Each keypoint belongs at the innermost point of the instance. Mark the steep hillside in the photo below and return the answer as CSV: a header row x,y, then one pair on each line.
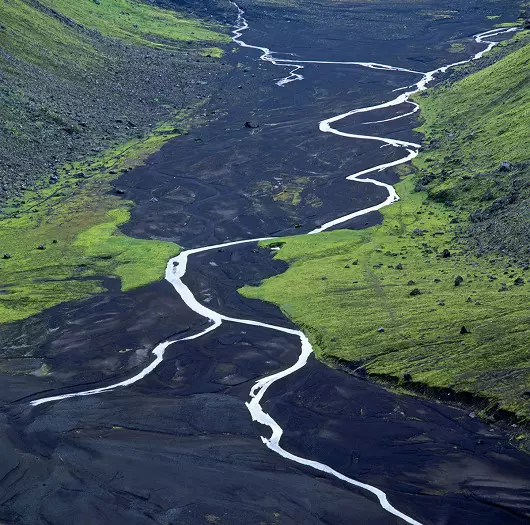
x,y
87,90
79,75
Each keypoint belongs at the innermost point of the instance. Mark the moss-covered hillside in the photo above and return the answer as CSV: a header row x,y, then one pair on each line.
x,y
437,296
88,89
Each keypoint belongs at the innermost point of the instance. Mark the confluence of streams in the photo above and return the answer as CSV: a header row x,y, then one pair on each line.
x,y
176,267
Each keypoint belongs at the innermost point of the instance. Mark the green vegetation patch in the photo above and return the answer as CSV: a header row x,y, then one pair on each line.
x,y
438,294
215,52
136,22
484,129
52,45
62,240
457,47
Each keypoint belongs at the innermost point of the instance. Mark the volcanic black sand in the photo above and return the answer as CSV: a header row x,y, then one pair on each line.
x,y
179,446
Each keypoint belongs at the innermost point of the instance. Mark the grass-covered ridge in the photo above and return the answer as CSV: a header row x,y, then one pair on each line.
x,y
135,21
28,34
454,314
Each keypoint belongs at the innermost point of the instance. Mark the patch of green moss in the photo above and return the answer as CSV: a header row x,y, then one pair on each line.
x,y
64,239
291,192
215,52
457,48
342,286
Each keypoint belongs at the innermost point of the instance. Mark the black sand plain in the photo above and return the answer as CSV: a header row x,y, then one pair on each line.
x,y
179,446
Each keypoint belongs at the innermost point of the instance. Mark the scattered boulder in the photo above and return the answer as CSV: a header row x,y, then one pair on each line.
x,y
464,331
41,247
526,24
119,191
488,196
356,262
415,291
7,256
324,278
399,266
251,124
503,288
519,281
504,166
380,329
446,253
411,282
459,280
407,377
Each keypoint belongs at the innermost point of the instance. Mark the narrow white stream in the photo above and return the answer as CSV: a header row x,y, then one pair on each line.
x,y
176,267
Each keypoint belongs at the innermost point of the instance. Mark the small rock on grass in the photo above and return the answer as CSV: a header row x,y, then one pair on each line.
x,y
458,280
464,331
504,166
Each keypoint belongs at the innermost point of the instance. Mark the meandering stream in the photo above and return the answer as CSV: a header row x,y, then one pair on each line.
x,y
176,267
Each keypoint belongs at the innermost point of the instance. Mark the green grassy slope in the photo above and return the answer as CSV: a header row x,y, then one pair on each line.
x,y
135,21
342,286
72,120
